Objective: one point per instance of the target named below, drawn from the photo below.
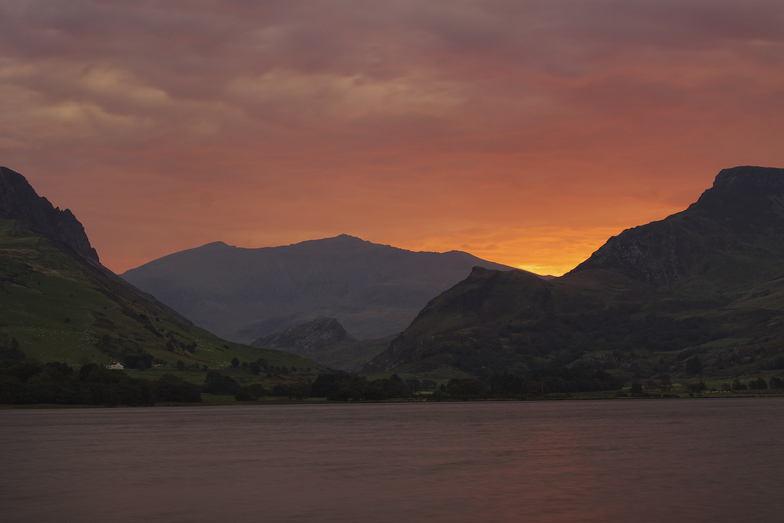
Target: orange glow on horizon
(521, 132)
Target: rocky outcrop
(19, 201)
(736, 226)
(652, 254)
(307, 339)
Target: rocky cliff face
(307, 339)
(19, 201)
(733, 233)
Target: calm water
(611, 461)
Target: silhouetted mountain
(698, 293)
(244, 294)
(19, 201)
(731, 237)
(58, 303)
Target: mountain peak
(345, 236)
(733, 233)
(373, 290)
(751, 176)
(216, 245)
(19, 201)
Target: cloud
(404, 122)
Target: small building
(118, 366)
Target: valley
(689, 304)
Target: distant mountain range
(697, 295)
(700, 293)
(243, 294)
(58, 303)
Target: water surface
(587, 461)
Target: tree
(257, 390)
(12, 352)
(414, 385)
(216, 383)
(235, 362)
(292, 390)
(466, 388)
(694, 366)
(138, 361)
(171, 388)
(697, 387)
(385, 389)
(737, 385)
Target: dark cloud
(316, 115)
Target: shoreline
(322, 401)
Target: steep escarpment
(58, 303)
(733, 236)
(699, 293)
(19, 201)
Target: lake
(678, 460)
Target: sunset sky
(524, 132)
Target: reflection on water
(591, 461)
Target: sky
(524, 132)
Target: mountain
(698, 293)
(732, 237)
(309, 338)
(325, 341)
(19, 201)
(58, 303)
(243, 294)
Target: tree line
(345, 386)
(30, 381)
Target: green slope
(56, 307)
(700, 293)
(495, 322)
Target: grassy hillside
(698, 294)
(353, 355)
(508, 322)
(56, 308)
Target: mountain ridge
(19, 201)
(58, 303)
(735, 223)
(243, 294)
(699, 293)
